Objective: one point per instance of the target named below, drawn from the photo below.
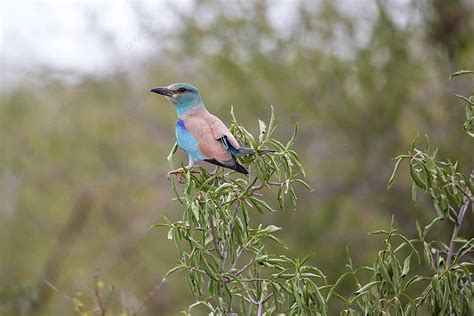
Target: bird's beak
(163, 91)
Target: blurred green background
(83, 151)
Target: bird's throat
(184, 109)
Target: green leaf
(385, 275)
(409, 243)
(290, 142)
(195, 210)
(258, 203)
(296, 160)
(418, 229)
(394, 172)
(263, 130)
(416, 178)
(468, 100)
(211, 271)
(467, 247)
(271, 125)
(406, 266)
(279, 146)
(223, 187)
(428, 227)
(270, 229)
(170, 155)
(413, 192)
(413, 144)
(362, 291)
(332, 290)
(175, 269)
(178, 197)
(281, 242)
(414, 279)
(203, 303)
(304, 183)
(460, 73)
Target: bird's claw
(179, 173)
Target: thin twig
(243, 268)
(234, 215)
(222, 255)
(253, 280)
(237, 257)
(214, 237)
(149, 296)
(102, 307)
(275, 183)
(189, 228)
(57, 290)
(457, 227)
(261, 302)
(466, 193)
(457, 224)
(256, 188)
(387, 244)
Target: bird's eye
(181, 90)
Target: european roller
(202, 135)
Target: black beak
(163, 91)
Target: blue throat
(186, 104)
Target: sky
(71, 36)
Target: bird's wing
(209, 146)
(219, 130)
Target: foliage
(450, 290)
(469, 124)
(360, 82)
(228, 268)
(224, 257)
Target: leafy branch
(225, 259)
(229, 270)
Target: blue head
(184, 96)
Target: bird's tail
(245, 151)
(240, 168)
(264, 151)
(250, 151)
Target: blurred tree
(360, 83)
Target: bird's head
(183, 95)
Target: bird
(201, 134)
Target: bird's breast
(187, 142)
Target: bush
(229, 270)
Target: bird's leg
(179, 172)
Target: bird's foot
(179, 173)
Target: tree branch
(148, 296)
(102, 307)
(214, 238)
(457, 227)
(261, 302)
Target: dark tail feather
(237, 167)
(240, 168)
(245, 151)
(249, 151)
